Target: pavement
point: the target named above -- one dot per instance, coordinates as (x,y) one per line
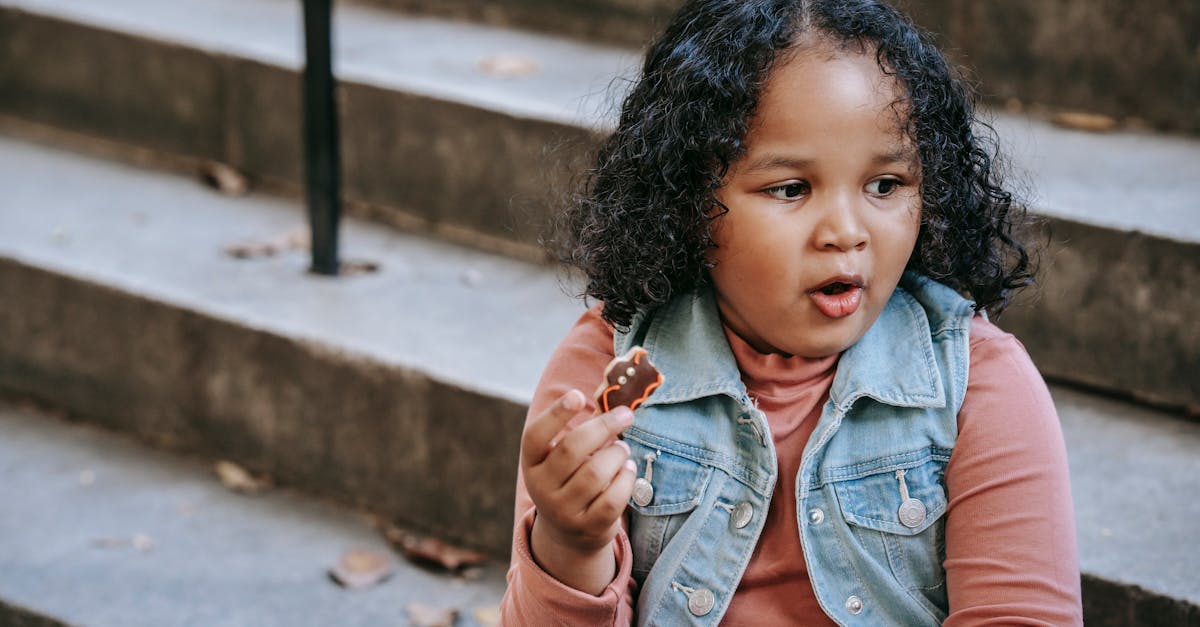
(99,531)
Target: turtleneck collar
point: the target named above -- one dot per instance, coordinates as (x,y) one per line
(779,379)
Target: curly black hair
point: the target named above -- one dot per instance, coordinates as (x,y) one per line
(641,229)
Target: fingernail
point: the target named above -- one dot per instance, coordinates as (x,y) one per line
(622,444)
(624,415)
(630,466)
(573,401)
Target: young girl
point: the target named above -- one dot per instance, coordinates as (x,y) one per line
(790,218)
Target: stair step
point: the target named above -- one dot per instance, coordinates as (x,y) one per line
(77,498)
(404,391)
(431,140)
(1073,54)
(395,388)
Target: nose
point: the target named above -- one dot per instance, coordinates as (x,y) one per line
(840,226)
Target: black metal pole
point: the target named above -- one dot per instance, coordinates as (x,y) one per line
(321,161)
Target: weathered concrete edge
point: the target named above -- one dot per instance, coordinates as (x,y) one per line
(1114,311)
(1056,64)
(1108,603)
(418,156)
(387,439)
(428,454)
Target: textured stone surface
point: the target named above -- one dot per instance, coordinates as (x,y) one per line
(1114,57)
(397,391)
(1115,310)
(206,556)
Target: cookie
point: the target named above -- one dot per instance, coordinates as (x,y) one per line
(628,380)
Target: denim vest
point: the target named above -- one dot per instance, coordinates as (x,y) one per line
(870,491)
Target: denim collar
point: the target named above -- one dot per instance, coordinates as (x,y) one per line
(892,363)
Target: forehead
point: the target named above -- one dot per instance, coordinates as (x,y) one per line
(829,88)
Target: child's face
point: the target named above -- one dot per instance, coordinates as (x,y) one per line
(824,207)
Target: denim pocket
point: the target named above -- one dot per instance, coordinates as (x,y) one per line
(678,486)
(896,513)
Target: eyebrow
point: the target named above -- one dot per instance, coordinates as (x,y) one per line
(905,155)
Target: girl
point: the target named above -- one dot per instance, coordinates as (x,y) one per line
(789,218)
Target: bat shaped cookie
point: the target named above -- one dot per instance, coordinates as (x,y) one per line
(628,380)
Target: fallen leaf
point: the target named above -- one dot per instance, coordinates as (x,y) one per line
(1077,120)
(508,65)
(430,550)
(246,250)
(296,239)
(238,479)
(360,568)
(224,178)
(488,616)
(354,268)
(420,615)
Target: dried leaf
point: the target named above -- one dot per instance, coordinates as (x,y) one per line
(1093,122)
(429,550)
(508,65)
(353,268)
(224,179)
(488,616)
(238,479)
(296,239)
(420,615)
(247,250)
(360,568)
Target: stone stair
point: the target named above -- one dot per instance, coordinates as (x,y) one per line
(402,391)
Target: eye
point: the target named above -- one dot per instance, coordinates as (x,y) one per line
(788,191)
(883,187)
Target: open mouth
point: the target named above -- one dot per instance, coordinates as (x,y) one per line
(839,297)
(837,287)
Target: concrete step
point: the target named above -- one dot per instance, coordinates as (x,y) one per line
(1107,58)
(99,531)
(434,141)
(404,391)
(398,389)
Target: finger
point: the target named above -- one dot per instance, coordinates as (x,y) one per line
(595,475)
(608,506)
(574,448)
(535,442)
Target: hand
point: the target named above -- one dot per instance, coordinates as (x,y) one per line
(579,482)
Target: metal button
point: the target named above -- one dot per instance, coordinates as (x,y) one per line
(742,514)
(643,492)
(701,602)
(816,516)
(912,513)
(854,605)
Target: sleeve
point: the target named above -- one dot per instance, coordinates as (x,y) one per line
(1011,557)
(533,597)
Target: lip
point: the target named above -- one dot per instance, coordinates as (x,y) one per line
(842,304)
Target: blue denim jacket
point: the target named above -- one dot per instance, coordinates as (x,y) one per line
(870,491)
